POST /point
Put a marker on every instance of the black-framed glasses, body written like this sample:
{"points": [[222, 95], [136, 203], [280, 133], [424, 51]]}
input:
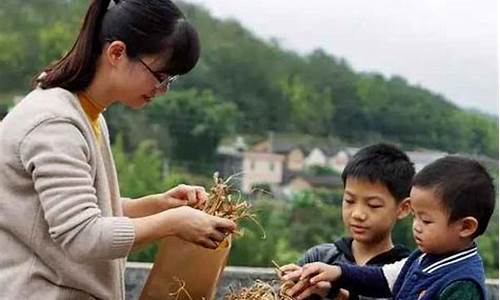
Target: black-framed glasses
{"points": [[163, 82]]}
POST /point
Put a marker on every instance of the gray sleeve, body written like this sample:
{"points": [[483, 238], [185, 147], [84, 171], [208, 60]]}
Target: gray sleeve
{"points": [[56, 155], [326, 253]]}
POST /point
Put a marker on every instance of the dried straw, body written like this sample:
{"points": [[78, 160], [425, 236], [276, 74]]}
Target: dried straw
{"points": [[221, 203], [181, 289], [261, 290]]}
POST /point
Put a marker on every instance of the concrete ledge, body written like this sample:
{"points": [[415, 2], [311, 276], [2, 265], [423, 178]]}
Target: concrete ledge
{"points": [[235, 277]]}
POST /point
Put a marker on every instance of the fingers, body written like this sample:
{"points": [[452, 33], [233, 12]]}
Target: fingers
{"points": [[293, 275], [310, 270], [214, 239], [195, 195], [343, 295], [224, 225], [191, 196], [201, 195], [289, 268], [308, 292], [321, 289], [208, 243], [328, 273], [217, 236], [298, 288]]}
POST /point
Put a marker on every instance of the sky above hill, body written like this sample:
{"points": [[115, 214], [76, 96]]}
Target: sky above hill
{"points": [[447, 46]]}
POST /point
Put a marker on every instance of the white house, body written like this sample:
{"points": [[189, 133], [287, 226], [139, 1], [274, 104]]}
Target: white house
{"points": [[261, 167], [421, 158], [316, 158], [340, 159]]}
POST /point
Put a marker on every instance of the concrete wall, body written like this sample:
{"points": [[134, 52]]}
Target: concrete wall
{"points": [[235, 277]]}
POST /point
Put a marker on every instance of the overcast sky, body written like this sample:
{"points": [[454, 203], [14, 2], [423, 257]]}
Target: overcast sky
{"points": [[449, 47]]}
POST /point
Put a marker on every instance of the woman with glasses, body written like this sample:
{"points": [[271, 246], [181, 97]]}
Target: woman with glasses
{"points": [[65, 231]]}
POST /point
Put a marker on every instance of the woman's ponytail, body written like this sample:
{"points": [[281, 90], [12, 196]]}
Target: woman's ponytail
{"points": [[76, 69], [147, 27]]}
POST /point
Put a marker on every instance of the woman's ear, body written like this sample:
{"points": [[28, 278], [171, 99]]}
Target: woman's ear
{"points": [[468, 227], [115, 52], [404, 208]]}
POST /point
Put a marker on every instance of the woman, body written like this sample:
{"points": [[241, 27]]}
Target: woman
{"points": [[64, 228]]}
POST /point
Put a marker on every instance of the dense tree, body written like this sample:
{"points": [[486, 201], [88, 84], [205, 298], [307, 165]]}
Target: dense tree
{"points": [[196, 122]]}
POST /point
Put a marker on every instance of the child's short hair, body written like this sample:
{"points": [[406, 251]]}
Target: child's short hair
{"points": [[464, 186], [385, 164]]}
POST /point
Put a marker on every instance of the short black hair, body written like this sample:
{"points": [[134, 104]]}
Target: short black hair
{"points": [[464, 186], [382, 163]]}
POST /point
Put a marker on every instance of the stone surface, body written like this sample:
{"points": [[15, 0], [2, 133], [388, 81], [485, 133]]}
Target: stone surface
{"points": [[233, 277]]}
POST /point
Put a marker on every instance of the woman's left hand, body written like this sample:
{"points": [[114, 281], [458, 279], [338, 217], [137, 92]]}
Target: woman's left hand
{"points": [[183, 194]]}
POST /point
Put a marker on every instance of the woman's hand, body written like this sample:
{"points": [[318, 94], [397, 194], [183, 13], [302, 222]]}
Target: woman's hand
{"points": [[185, 222], [181, 195], [195, 226]]}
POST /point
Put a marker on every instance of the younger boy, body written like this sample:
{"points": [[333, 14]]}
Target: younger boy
{"points": [[377, 181], [452, 200]]}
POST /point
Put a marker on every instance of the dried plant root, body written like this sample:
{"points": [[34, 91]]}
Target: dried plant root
{"points": [[221, 203], [180, 290], [261, 290]]}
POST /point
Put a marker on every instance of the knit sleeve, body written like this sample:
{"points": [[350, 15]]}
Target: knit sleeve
{"points": [[461, 290], [362, 280], [56, 155]]}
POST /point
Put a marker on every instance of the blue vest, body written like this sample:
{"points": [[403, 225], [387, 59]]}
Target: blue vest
{"points": [[428, 282]]}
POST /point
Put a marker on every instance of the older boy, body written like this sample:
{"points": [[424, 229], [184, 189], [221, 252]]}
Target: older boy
{"points": [[377, 182], [452, 200]]}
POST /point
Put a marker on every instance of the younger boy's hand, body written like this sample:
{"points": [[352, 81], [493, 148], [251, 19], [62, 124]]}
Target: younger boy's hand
{"points": [[314, 278], [316, 272]]}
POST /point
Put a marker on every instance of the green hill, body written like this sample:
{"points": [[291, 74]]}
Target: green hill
{"points": [[256, 86]]}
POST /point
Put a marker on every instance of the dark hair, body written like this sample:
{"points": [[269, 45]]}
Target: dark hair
{"points": [[385, 164], [464, 186], [145, 26]]}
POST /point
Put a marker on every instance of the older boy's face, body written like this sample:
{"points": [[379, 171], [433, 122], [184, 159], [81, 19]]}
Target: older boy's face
{"points": [[369, 211], [431, 230]]}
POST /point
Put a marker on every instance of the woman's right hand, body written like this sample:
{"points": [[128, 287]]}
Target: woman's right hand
{"points": [[198, 227]]}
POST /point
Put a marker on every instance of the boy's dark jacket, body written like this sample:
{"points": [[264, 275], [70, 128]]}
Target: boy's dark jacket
{"points": [[341, 251]]}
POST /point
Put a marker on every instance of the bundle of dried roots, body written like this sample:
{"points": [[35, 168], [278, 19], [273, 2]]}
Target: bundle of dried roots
{"points": [[261, 290], [221, 203]]}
